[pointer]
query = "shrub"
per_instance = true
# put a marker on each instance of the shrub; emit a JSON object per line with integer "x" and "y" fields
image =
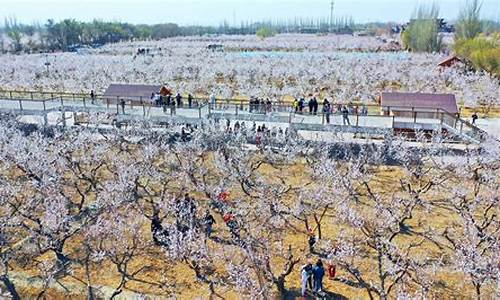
{"x": 469, "y": 24}
{"x": 422, "y": 33}
{"x": 482, "y": 52}
{"x": 265, "y": 32}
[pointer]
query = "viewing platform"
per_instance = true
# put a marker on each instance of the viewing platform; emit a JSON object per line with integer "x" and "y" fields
{"x": 366, "y": 120}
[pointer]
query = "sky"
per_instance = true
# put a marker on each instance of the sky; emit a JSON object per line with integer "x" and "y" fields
{"x": 213, "y": 12}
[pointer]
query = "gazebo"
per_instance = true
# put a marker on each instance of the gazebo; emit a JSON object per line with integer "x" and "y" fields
{"x": 421, "y": 105}
{"x": 134, "y": 92}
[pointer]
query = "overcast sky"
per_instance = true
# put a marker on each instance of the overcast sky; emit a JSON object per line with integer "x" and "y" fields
{"x": 213, "y": 12}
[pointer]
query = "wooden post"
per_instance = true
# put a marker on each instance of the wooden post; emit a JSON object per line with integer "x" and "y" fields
{"x": 31, "y": 94}
{"x": 10, "y": 95}
{"x": 21, "y": 105}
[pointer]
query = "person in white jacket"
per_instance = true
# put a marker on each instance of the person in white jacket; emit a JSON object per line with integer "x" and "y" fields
{"x": 306, "y": 277}
{"x": 213, "y": 100}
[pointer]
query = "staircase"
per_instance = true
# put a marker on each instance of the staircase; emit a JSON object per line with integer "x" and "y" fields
{"x": 461, "y": 128}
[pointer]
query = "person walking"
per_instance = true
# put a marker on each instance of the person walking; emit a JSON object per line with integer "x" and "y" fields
{"x": 178, "y": 98}
{"x": 163, "y": 103}
{"x": 295, "y": 105}
{"x": 345, "y": 116}
{"x": 153, "y": 98}
{"x": 213, "y": 100}
{"x": 262, "y": 106}
{"x": 331, "y": 270}
{"x": 318, "y": 274}
{"x": 230, "y": 221}
{"x": 306, "y": 278}
{"x": 310, "y": 104}
{"x": 92, "y": 97}
{"x": 327, "y": 110}
{"x": 315, "y": 106}
{"x": 311, "y": 242}
{"x": 122, "y": 103}
{"x": 190, "y": 101}
{"x": 172, "y": 107}
{"x": 269, "y": 106}
{"x": 474, "y": 118}
{"x": 209, "y": 222}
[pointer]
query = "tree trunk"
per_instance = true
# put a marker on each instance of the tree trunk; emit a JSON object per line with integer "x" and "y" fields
{"x": 318, "y": 226}
{"x": 477, "y": 286}
{"x": 90, "y": 293}
{"x": 10, "y": 287}
{"x": 115, "y": 293}
{"x": 280, "y": 285}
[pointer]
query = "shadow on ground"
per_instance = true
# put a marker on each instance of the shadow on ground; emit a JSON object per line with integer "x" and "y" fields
{"x": 295, "y": 294}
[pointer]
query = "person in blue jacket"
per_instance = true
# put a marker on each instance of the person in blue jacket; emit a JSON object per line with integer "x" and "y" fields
{"x": 318, "y": 274}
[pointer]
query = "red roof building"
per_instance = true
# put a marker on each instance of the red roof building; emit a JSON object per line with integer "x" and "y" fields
{"x": 131, "y": 91}
{"x": 449, "y": 61}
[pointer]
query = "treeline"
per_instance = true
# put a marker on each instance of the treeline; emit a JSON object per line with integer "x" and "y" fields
{"x": 482, "y": 52}
{"x": 70, "y": 33}
{"x": 476, "y": 40}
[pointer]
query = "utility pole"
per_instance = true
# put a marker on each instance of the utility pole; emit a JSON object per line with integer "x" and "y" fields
{"x": 331, "y": 14}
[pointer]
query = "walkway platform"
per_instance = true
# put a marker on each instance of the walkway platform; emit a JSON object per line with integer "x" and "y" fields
{"x": 372, "y": 123}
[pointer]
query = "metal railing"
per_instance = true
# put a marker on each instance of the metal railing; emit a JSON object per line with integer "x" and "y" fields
{"x": 359, "y": 115}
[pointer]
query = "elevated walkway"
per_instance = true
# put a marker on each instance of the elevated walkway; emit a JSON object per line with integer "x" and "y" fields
{"x": 370, "y": 123}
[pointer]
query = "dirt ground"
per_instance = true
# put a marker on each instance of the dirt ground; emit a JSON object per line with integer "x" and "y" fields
{"x": 183, "y": 281}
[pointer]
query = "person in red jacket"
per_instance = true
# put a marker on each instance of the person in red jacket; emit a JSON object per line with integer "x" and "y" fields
{"x": 331, "y": 269}
{"x": 230, "y": 221}
{"x": 223, "y": 196}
